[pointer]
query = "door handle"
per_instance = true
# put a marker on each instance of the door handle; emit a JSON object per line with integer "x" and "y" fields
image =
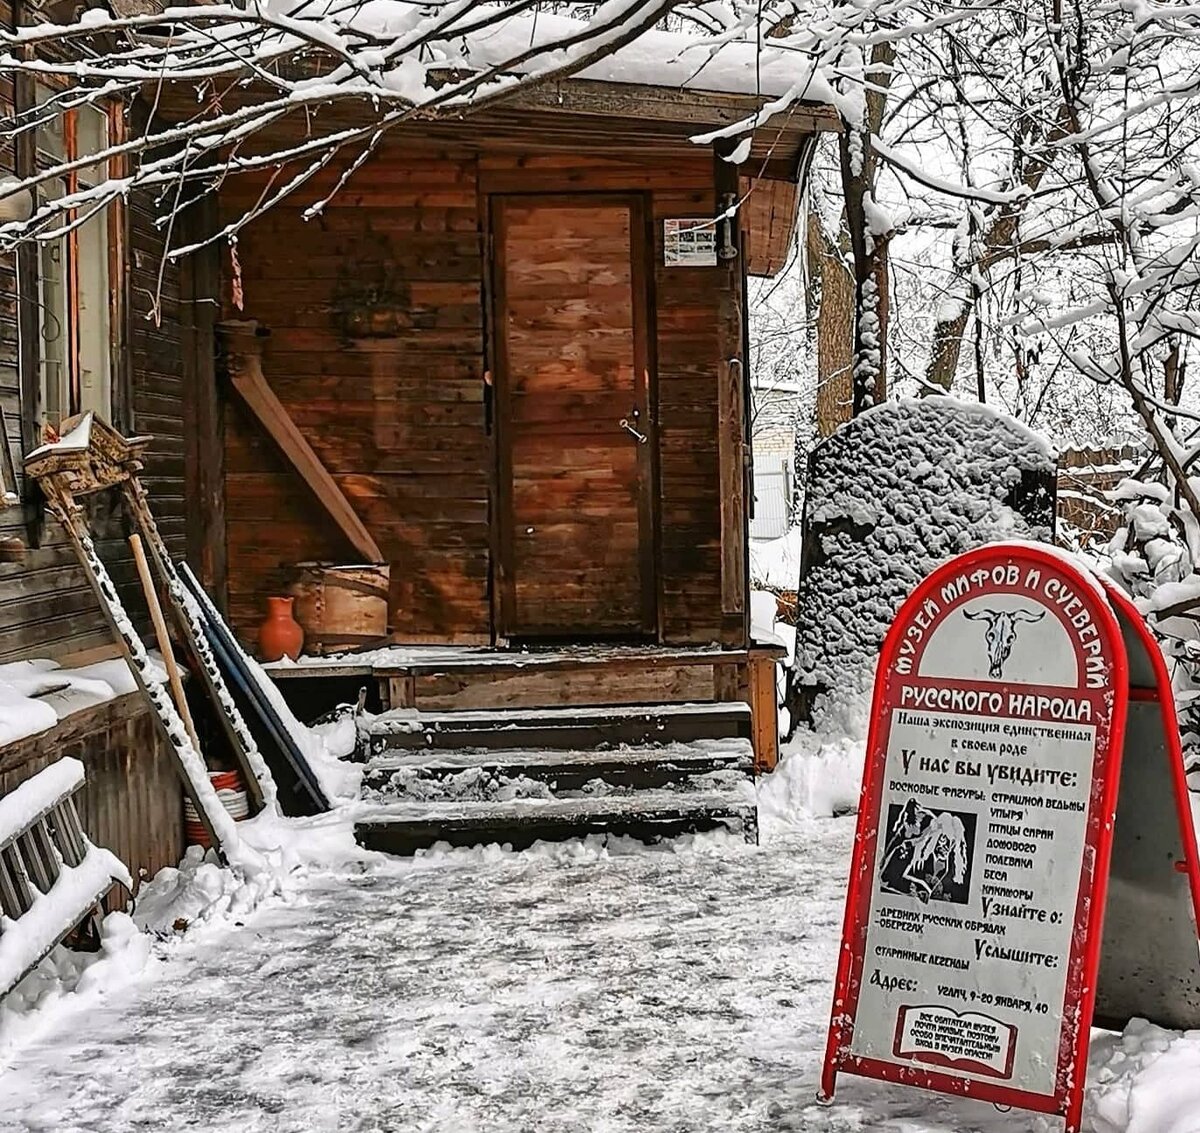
{"x": 631, "y": 427}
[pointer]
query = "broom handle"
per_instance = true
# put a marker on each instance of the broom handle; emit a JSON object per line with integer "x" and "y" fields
{"x": 164, "y": 642}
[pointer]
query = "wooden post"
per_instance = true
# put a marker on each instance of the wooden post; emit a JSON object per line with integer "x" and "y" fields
{"x": 731, "y": 379}
{"x": 725, "y": 683}
{"x": 764, "y": 711}
{"x": 203, "y": 406}
{"x": 401, "y": 690}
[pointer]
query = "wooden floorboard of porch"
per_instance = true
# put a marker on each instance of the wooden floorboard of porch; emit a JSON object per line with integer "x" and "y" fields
{"x": 398, "y": 660}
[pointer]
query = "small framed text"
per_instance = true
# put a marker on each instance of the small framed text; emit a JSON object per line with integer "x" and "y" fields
{"x": 689, "y": 242}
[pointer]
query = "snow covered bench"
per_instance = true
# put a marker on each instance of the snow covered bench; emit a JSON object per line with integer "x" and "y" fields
{"x": 51, "y": 877}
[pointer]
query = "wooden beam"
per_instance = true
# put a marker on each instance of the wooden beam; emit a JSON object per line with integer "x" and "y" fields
{"x": 644, "y": 102}
{"x": 731, "y": 379}
{"x": 245, "y": 372}
{"x": 203, "y": 407}
{"x": 164, "y": 639}
{"x": 581, "y": 98}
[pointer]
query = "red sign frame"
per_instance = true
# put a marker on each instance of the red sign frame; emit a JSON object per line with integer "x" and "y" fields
{"x": 908, "y": 636}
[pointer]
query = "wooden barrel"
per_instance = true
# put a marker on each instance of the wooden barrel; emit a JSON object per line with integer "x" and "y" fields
{"x": 341, "y": 607}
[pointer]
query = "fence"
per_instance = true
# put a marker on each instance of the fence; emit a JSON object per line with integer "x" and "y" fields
{"x": 1085, "y": 516}
{"x": 772, "y": 497}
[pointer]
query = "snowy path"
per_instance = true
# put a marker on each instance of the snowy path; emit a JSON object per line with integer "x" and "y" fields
{"x": 681, "y": 989}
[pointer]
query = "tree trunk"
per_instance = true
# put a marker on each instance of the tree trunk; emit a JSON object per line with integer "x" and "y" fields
{"x": 985, "y": 249}
{"x": 869, "y": 248}
{"x": 831, "y": 288}
{"x": 947, "y": 344}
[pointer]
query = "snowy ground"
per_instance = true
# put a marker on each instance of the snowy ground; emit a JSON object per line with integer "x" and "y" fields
{"x": 684, "y": 988}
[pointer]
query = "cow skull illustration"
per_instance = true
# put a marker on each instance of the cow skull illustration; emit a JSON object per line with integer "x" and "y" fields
{"x": 1001, "y": 633}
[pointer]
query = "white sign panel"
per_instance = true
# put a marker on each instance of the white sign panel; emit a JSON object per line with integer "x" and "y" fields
{"x": 975, "y": 881}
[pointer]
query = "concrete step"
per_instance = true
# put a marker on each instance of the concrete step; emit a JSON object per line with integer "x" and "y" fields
{"x": 418, "y": 774}
{"x": 569, "y": 729}
{"x": 406, "y": 827}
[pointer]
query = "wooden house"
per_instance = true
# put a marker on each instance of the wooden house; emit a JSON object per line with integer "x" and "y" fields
{"x": 85, "y": 324}
{"x": 517, "y": 344}
{"x": 511, "y": 350}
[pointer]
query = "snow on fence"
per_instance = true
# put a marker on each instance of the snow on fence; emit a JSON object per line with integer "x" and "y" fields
{"x": 51, "y": 876}
{"x": 1085, "y": 476}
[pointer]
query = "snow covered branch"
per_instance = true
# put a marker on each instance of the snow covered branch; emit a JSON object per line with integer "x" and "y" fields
{"x": 233, "y": 75}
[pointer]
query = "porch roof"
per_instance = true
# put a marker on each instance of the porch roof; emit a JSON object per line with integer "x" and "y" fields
{"x": 494, "y": 86}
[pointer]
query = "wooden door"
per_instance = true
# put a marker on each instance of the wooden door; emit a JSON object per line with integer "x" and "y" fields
{"x": 575, "y": 438}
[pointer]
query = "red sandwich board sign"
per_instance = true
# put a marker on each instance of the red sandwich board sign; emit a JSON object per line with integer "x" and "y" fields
{"x": 982, "y": 936}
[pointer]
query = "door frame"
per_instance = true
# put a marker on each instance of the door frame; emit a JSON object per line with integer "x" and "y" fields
{"x": 503, "y": 598}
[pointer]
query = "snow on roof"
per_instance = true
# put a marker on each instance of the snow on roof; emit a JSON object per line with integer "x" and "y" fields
{"x": 655, "y": 58}
{"x": 664, "y": 58}
{"x": 76, "y": 440}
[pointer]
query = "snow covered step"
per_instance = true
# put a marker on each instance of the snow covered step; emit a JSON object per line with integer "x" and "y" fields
{"x": 405, "y": 828}
{"x": 640, "y": 768}
{"x": 574, "y": 728}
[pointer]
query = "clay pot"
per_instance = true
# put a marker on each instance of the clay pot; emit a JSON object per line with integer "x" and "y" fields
{"x": 280, "y": 635}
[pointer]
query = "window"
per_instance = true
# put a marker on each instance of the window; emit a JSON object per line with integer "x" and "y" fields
{"x": 76, "y": 299}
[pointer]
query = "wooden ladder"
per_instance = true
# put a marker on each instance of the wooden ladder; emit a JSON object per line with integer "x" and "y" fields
{"x": 50, "y": 869}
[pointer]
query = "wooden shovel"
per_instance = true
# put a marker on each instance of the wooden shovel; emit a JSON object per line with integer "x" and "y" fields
{"x": 164, "y": 641}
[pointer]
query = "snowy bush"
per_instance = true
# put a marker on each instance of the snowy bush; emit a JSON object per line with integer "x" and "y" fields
{"x": 891, "y": 495}
{"x": 1155, "y": 557}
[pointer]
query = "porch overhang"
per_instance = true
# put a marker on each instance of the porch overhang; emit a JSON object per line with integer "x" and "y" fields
{"x": 603, "y": 117}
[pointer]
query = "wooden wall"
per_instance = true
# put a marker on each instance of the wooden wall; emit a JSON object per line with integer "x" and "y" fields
{"x": 375, "y": 315}
{"x": 132, "y": 803}
{"x": 378, "y": 348}
{"x": 11, "y": 519}
{"x": 46, "y": 607}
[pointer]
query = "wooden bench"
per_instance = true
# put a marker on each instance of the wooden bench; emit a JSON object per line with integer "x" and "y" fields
{"x": 52, "y": 878}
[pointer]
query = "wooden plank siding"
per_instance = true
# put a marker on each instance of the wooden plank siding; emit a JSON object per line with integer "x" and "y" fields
{"x": 46, "y": 606}
{"x": 376, "y": 351}
{"x": 11, "y": 519}
{"x": 131, "y": 803}
{"x": 379, "y": 348}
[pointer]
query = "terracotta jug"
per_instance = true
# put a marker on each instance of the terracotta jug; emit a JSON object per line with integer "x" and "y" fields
{"x": 280, "y": 635}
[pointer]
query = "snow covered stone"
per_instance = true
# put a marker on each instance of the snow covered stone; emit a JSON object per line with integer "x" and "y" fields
{"x": 890, "y": 495}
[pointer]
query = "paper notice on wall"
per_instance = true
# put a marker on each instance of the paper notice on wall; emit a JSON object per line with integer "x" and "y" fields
{"x": 689, "y": 242}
